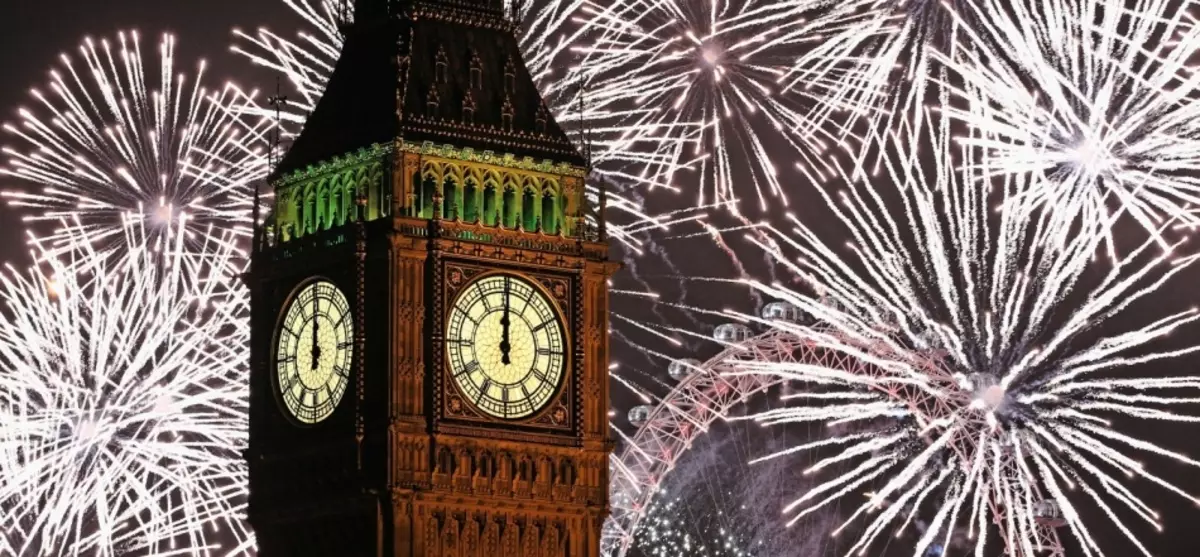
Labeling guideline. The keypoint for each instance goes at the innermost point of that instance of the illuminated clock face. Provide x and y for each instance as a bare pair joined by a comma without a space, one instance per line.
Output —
313,350
504,341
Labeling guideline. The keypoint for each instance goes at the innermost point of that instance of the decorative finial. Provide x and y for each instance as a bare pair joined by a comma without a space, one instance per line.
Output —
277,101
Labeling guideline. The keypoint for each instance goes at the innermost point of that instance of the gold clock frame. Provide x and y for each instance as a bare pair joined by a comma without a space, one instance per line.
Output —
564,323
273,360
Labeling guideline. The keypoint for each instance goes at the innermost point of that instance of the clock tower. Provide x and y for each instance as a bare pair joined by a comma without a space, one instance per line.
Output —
429,359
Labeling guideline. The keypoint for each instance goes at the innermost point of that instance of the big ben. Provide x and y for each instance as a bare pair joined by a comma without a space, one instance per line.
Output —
429,352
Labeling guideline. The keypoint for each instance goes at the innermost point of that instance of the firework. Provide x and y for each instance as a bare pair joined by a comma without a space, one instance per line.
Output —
122,391
679,63
714,505
110,140
1099,98
872,57
987,360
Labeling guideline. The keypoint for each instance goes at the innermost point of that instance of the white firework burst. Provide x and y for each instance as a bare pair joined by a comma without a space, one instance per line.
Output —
705,74
1100,98
123,397
873,58
992,361
109,140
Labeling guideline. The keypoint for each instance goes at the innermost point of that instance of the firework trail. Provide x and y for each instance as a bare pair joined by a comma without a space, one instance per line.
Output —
1100,99
122,391
682,62
110,140
997,358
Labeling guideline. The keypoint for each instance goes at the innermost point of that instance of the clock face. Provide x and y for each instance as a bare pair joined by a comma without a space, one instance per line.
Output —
504,342
314,346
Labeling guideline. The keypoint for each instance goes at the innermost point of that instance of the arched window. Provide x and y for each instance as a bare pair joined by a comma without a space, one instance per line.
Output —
445,461
451,204
425,202
510,76
549,213
310,210
487,466
440,63
529,209
510,207
297,228
321,214
337,208
489,205
566,473
506,466
476,72
470,201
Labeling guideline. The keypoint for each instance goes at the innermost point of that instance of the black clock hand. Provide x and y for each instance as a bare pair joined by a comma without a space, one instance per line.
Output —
316,349
505,347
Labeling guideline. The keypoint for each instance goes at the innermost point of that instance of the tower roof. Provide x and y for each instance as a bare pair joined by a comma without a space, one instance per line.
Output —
441,71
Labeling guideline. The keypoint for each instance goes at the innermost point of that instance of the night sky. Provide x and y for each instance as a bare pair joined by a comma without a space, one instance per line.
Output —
36,31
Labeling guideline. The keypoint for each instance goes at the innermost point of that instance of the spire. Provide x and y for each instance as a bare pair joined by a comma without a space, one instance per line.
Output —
390,84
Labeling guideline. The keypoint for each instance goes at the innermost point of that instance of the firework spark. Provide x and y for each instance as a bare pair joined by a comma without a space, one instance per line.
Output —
122,391
109,140
665,66
872,57
713,505
995,360
1100,98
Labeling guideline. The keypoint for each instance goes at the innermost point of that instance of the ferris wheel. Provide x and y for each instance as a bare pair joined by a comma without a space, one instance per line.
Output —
703,394
707,392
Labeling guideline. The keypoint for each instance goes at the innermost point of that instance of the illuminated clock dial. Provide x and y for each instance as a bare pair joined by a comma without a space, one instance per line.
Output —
314,346
504,342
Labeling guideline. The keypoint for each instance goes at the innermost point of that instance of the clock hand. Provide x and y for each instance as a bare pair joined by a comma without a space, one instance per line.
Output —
316,349
505,347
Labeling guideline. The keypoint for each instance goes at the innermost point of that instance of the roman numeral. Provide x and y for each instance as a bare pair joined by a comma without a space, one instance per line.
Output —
338,369
548,352
483,296
543,325
539,374
482,390
471,367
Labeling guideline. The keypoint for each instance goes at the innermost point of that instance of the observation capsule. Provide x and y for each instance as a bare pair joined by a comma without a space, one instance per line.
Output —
732,333
639,415
1047,513
682,369
783,311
